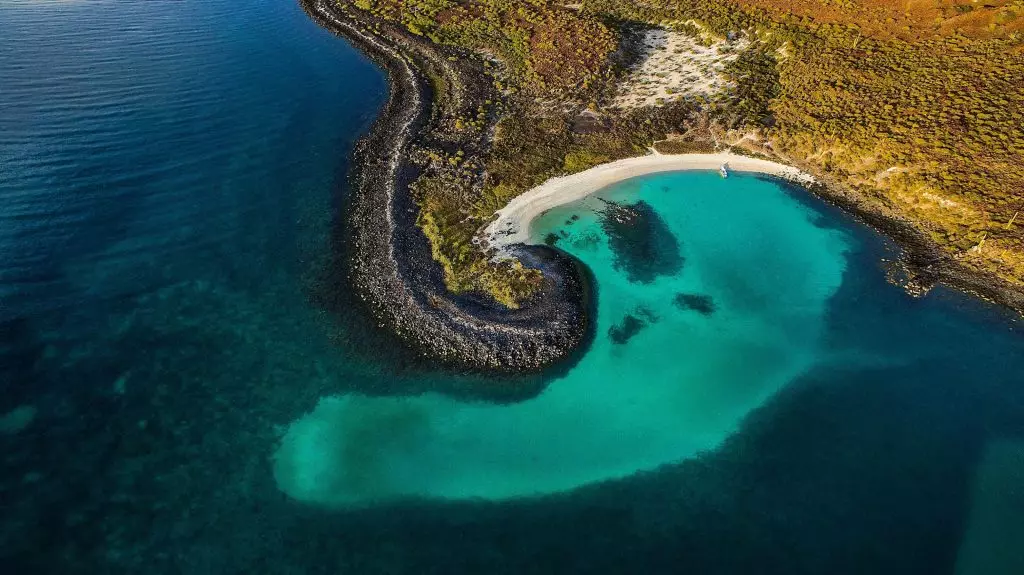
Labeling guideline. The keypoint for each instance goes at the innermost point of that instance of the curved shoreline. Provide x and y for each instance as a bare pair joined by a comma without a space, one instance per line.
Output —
922,265
391,267
512,225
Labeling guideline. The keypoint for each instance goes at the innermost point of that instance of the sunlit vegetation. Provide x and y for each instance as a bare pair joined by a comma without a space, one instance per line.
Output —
526,151
917,105
465,270
755,76
907,19
937,127
548,49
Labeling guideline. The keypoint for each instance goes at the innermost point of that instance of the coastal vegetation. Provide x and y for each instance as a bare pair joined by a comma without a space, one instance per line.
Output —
917,109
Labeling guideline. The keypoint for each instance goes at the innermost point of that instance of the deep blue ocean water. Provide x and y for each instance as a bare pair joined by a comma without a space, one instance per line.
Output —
187,388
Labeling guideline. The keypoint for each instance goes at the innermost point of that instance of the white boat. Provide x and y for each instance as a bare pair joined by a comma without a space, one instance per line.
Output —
724,170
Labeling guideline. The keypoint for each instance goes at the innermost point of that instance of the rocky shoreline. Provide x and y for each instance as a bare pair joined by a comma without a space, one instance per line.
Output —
393,271
922,264
390,262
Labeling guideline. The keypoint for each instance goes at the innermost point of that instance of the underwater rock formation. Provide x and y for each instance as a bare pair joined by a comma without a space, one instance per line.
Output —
702,304
644,246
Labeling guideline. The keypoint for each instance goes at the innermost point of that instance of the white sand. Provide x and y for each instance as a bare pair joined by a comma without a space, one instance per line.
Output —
512,225
676,66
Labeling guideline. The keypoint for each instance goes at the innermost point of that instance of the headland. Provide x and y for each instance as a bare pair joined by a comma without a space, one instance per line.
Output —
479,136
390,259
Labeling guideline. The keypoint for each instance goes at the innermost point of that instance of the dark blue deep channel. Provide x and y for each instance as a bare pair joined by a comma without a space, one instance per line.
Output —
186,386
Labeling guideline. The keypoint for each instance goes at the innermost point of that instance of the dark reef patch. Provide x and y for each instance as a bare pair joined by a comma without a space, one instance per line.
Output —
624,331
551,239
642,244
631,324
700,303
575,218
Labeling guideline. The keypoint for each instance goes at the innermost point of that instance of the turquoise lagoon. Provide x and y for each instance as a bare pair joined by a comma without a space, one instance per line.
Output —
758,398
678,387
188,386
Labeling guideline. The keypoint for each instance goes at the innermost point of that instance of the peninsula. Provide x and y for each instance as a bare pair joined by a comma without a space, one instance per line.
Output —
909,118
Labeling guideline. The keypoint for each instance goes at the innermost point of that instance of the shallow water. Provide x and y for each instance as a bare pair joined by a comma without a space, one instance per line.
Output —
792,412
170,319
678,387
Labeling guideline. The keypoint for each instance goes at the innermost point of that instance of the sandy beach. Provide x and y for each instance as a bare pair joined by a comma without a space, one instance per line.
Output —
512,225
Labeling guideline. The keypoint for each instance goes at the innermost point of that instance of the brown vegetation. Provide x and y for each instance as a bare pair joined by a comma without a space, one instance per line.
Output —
917,105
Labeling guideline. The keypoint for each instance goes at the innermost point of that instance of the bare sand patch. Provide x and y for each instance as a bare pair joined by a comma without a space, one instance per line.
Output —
676,65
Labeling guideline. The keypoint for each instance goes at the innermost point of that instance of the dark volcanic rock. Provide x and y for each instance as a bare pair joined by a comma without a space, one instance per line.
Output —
391,266
642,243
702,304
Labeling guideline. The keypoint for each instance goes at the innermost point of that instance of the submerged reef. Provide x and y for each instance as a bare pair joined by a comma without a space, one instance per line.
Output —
631,325
644,246
389,258
624,331
702,304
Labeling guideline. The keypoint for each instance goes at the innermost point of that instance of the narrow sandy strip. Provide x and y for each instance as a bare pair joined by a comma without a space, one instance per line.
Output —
512,225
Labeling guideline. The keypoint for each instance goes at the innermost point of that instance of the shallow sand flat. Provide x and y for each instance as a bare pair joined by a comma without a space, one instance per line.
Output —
676,387
512,225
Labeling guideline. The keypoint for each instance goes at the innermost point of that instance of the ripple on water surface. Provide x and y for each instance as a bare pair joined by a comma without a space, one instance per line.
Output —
146,143
167,178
